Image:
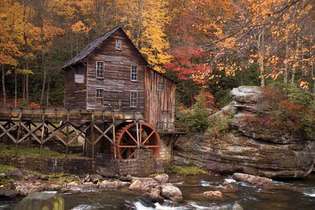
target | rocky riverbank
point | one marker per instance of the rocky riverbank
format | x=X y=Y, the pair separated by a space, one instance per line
x=16 y=182
x=246 y=147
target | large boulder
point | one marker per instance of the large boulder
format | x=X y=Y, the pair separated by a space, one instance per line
x=169 y=191
x=254 y=180
x=115 y=184
x=143 y=184
x=213 y=195
x=247 y=147
x=148 y=186
x=162 y=178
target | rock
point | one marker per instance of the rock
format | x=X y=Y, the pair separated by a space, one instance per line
x=228 y=188
x=53 y=187
x=237 y=206
x=94 y=178
x=106 y=184
x=213 y=195
x=7 y=194
x=254 y=180
x=171 y=192
x=77 y=187
x=143 y=184
x=246 y=146
x=149 y=186
x=162 y=178
x=44 y=177
x=246 y=94
x=17 y=174
x=155 y=194
x=25 y=187
x=73 y=183
x=127 y=178
x=41 y=200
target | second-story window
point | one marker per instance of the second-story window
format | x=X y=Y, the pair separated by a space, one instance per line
x=133 y=73
x=118 y=44
x=100 y=69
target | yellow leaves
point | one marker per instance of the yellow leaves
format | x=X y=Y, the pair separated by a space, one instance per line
x=69 y=8
x=154 y=44
x=79 y=27
x=273 y=60
x=24 y=71
x=304 y=85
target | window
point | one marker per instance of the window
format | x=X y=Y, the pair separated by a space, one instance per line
x=100 y=69
x=133 y=73
x=99 y=95
x=133 y=99
x=118 y=44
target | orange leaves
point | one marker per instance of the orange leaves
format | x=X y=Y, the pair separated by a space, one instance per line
x=80 y=27
x=51 y=31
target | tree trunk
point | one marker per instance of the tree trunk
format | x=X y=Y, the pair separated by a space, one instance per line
x=296 y=63
x=260 y=45
x=47 y=92
x=42 y=42
x=43 y=83
x=15 y=88
x=4 y=94
x=23 y=87
x=286 y=67
x=27 y=90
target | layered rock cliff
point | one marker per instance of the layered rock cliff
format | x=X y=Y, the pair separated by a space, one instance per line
x=245 y=147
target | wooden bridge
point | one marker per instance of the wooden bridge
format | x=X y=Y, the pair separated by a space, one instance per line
x=125 y=132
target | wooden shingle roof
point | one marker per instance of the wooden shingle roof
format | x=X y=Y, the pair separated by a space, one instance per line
x=96 y=43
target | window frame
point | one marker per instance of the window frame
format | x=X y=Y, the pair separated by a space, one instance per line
x=96 y=69
x=131 y=99
x=132 y=73
x=97 y=98
x=118 y=44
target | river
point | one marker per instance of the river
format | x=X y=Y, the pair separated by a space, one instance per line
x=249 y=197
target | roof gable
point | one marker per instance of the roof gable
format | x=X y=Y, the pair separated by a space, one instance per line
x=96 y=43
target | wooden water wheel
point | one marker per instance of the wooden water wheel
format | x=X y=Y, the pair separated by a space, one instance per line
x=134 y=136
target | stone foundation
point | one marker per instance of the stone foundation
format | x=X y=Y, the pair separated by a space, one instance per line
x=143 y=165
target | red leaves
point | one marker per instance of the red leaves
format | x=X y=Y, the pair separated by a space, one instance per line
x=188 y=64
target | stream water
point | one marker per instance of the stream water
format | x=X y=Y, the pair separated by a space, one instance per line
x=249 y=197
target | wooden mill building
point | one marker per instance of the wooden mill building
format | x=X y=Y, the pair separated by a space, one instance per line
x=110 y=74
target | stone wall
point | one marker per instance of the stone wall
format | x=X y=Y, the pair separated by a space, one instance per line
x=165 y=149
x=143 y=165
x=51 y=165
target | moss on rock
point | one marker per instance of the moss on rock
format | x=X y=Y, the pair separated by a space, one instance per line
x=186 y=170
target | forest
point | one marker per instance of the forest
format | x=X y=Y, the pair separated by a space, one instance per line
x=201 y=44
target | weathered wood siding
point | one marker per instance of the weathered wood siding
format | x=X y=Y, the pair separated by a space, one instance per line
x=156 y=93
x=75 y=93
x=116 y=83
x=159 y=101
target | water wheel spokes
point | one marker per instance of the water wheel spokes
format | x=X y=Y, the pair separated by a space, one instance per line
x=135 y=136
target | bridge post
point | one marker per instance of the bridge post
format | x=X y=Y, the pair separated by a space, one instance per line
x=93 y=137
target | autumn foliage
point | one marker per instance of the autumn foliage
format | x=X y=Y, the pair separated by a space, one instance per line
x=288 y=109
